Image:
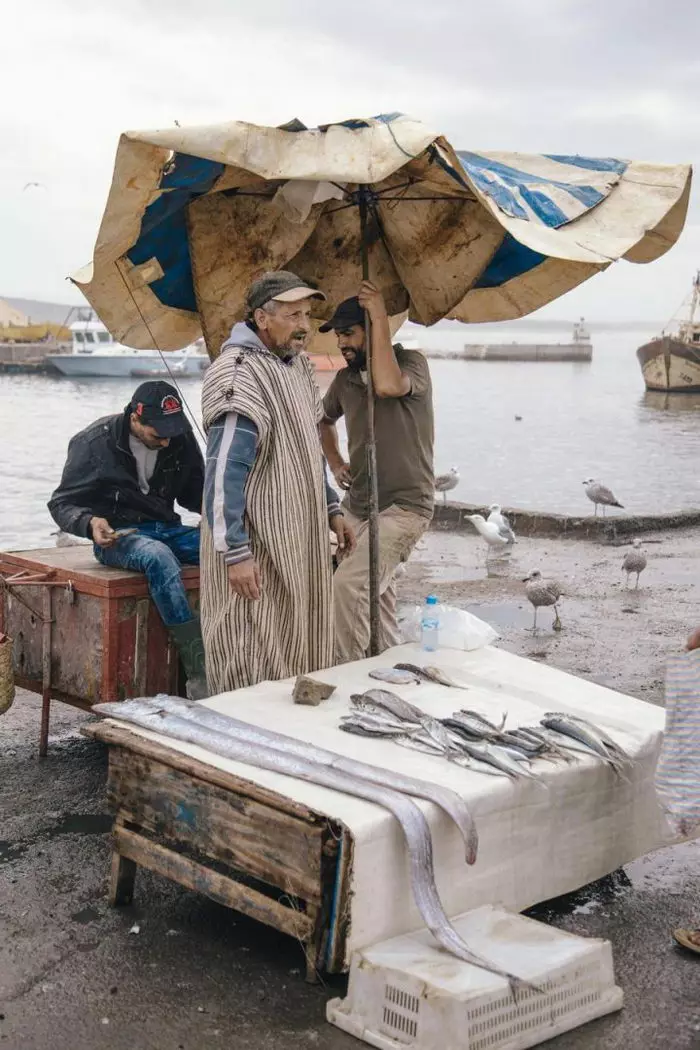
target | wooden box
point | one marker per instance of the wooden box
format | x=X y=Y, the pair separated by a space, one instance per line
x=243 y=845
x=83 y=633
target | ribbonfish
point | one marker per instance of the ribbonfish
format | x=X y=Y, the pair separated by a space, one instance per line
x=154 y=716
x=447 y=800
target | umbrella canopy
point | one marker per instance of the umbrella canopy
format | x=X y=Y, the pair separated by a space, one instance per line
x=195 y=214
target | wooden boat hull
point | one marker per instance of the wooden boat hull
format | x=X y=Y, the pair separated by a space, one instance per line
x=670 y=365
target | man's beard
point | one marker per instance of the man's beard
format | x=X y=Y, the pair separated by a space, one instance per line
x=358 y=363
x=290 y=349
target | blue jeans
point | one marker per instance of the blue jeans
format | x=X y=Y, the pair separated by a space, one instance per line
x=158 y=550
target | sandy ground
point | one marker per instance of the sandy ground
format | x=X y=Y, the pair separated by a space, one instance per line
x=195 y=976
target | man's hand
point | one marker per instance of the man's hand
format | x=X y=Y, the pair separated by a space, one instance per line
x=693 y=640
x=372 y=300
x=245 y=579
x=344 y=535
x=102 y=532
x=342 y=475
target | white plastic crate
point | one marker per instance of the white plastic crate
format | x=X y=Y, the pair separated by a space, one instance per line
x=407 y=992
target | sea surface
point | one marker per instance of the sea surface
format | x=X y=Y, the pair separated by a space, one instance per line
x=579 y=420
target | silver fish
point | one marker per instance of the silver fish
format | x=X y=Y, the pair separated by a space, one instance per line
x=390 y=702
x=370 y=729
x=154 y=716
x=612 y=746
x=585 y=734
x=365 y=723
x=495 y=756
x=395 y=676
x=552 y=747
x=431 y=674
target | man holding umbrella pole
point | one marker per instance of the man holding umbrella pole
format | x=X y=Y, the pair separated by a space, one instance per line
x=404 y=439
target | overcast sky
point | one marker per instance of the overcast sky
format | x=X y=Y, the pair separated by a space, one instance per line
x=598 y=77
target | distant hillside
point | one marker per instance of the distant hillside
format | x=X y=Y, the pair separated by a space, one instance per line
x=39 y=312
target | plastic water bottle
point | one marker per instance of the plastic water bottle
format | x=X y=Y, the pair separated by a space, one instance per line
x=430 y=624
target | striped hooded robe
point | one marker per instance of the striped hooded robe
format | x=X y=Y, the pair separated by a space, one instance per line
x=289 y=630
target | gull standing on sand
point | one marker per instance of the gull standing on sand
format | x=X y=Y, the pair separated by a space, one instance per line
x=496 y=537
x=446 y=482
x=600 y=495
x=496 y=517
x=541 y=592
x=634 y=561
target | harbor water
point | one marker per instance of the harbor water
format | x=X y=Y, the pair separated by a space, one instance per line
x=577 y=420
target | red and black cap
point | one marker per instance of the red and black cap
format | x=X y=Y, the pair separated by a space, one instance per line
x=158 y=405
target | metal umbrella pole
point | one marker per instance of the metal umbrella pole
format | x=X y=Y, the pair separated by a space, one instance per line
x=371 y=447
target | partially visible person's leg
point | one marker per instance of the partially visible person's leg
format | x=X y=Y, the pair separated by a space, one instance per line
x=399 y=531
x=183 y=541
x=154 y=558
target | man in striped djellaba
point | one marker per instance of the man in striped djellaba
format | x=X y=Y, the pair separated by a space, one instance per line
x=266 y=604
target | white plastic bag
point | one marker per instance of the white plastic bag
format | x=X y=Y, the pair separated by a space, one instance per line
x=678 y=769
x=458 y=628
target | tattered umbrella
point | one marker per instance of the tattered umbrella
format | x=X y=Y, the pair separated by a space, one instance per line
x=194 y=215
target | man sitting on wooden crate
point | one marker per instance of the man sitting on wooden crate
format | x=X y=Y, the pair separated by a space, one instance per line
x=119 y=486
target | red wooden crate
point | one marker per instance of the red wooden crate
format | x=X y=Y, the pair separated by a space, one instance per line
x=85 y=632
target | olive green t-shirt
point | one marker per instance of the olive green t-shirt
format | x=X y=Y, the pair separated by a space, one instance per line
x=404 y=432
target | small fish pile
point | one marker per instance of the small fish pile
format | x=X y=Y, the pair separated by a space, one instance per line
x=469 y=739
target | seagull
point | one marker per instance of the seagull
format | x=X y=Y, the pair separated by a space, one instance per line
x=634 y=561
x=542 y=592
x=31 y=185
x=600 y=494
x=497 y=518
x=496 y=537
x=445 y=482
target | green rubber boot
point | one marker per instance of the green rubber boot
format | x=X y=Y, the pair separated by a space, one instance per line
x=189 y=644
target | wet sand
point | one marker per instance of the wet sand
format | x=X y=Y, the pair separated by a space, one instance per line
x=619 y=638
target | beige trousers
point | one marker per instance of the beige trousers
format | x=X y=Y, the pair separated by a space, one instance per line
x=399 y=531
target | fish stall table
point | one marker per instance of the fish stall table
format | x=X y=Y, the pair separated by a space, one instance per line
x=332 y=869
x=84 y=633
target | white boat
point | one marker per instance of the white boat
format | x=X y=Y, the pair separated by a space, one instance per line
x=95 y=353
x=671 y=362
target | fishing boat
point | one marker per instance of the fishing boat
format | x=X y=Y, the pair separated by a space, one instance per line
x=95 y=353
x=671 y=362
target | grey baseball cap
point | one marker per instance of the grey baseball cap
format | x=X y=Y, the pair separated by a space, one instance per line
x=282 y=286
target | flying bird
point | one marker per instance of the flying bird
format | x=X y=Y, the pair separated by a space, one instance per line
x=30 y=185
x=446 y=482
x=496 y=517
x=634 y=561
x=600 y=495
x=541 y=592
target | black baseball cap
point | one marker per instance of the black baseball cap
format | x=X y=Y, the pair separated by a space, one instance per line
x=348 y=313
x=282 y=286
x=158 y=405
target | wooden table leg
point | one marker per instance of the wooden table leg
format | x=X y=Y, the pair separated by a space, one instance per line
x=46 y=672
x=121 y=883
x=44 y=731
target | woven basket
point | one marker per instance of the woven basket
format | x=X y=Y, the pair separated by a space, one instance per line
x=7 y=678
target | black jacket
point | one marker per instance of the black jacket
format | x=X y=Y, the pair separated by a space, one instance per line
x=100 y=480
